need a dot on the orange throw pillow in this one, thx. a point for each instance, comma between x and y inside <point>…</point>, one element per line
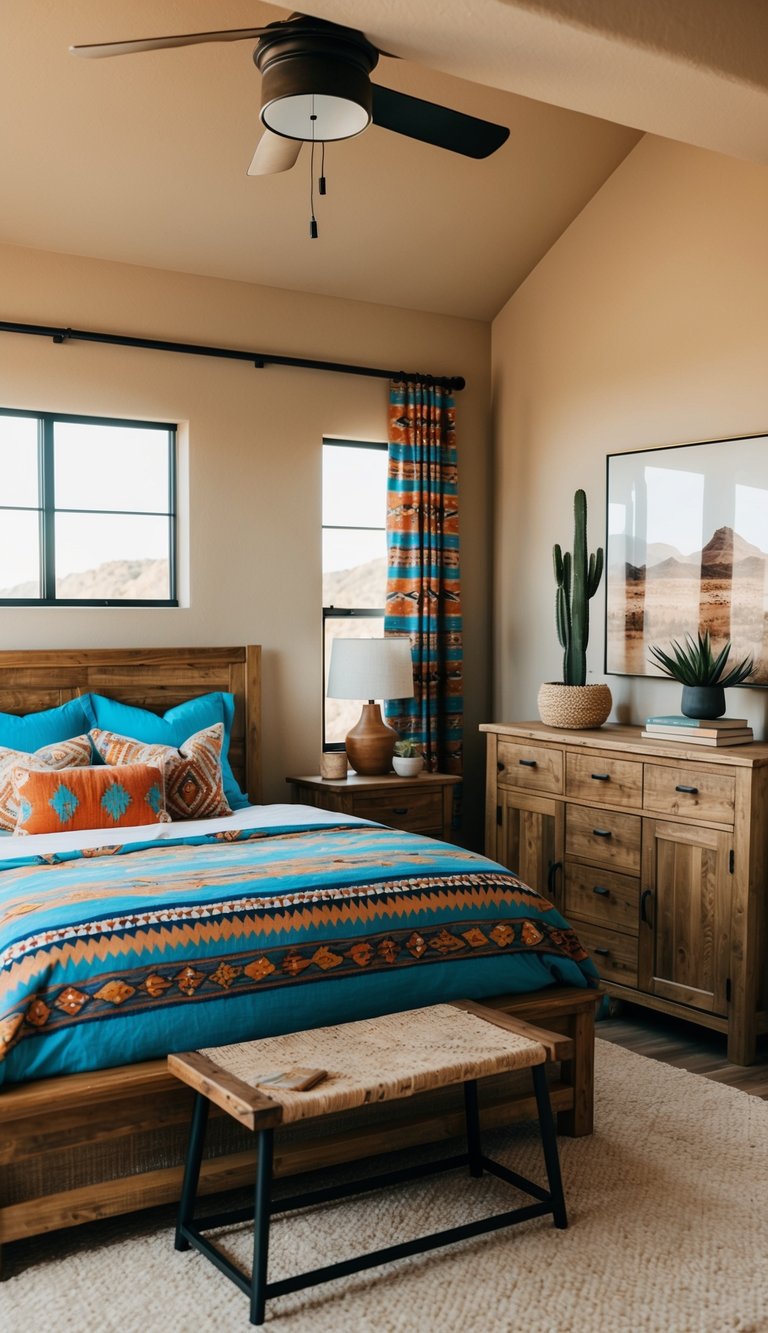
<point>75,753</point>
<point>88,798</point>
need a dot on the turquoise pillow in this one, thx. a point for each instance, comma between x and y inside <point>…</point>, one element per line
<point>47,727</point>
<point>173,728</point>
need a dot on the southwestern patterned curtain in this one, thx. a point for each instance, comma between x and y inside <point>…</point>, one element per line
<point>423,585</point>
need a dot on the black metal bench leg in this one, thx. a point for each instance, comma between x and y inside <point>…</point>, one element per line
<point>262,1203</point>
<point>549,1144</point>
<point>192,1168</point>
<point>474,1150</point>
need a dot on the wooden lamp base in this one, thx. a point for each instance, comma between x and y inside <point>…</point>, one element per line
<point>371,742</point>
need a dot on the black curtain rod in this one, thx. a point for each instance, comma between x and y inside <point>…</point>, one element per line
<point>257,359</point>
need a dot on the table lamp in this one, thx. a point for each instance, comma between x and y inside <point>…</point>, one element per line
<point>370,669</point>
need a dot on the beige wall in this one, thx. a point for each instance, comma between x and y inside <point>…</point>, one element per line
<point>645,325</point>
<point>253,440</point>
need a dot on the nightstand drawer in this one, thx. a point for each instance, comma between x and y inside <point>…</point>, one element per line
<point>603,837</point>
<point>532,767</point>
<point>601,896</point>
<point>614,955</point>
<point>415,811</point>
<point>616,781</point>
<point>694,792</point>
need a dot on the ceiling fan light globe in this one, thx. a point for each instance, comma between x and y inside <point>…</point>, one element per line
<point>334,117</point>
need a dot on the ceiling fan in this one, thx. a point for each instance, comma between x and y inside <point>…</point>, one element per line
<point>316,87</point>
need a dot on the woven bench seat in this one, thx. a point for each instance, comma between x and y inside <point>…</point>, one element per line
<point>371,1060</point>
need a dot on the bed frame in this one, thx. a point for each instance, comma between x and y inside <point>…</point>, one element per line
<point>85,1146</point>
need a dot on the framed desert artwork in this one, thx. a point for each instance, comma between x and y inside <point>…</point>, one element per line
<point>687,550</point>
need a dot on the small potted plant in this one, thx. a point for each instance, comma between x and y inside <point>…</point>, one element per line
<point>574,703</point>
<point>702,674</point>
<point>408,759</point>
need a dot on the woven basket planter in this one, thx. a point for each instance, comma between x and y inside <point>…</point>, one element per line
<point>576,706</point>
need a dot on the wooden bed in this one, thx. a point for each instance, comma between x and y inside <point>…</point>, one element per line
<point>84,1146</point>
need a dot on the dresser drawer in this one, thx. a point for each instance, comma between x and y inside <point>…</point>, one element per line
<point>533,767</point>
<point>604,837</point>
<point>616,781</point>
<point>614,955</point>
<point>601,896</point>
<point>697,792</point>
<point>416,811</point>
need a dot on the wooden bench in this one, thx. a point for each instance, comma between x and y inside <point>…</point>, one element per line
<point>373,1060</point>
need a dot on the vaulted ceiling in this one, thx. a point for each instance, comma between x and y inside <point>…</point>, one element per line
<point>143,158</point>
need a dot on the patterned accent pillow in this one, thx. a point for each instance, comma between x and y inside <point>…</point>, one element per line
<point>88,798</point>
<point>75,753</point>
<point>193,778</point>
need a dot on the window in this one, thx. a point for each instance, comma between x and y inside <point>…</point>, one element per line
<point>87,511</point>
<point>354,561</point>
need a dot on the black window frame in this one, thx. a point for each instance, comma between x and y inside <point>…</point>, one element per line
<point>46,507</point>
<point>348,613</point>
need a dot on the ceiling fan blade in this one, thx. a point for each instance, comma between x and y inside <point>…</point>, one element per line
<point>274,153</point>
<point>438,125</point>
<point>99,49</point>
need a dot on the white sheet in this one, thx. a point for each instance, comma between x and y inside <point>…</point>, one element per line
<point>253,816</point>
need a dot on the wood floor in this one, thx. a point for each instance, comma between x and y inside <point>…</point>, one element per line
<point>684,1045</point>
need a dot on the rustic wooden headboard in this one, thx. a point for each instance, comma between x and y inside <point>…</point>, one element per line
<point>154,678</point>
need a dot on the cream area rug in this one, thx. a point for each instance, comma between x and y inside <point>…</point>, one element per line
<point>668,1212</point>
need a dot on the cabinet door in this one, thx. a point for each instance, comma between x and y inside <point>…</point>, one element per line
<point>685,914</point>
<point>529,840</point>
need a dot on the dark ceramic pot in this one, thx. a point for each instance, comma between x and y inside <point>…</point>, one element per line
<point>705,701</point>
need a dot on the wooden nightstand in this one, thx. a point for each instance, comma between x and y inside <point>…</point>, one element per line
<point>417,805</point>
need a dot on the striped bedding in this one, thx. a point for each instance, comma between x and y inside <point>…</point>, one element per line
<point>114,954</point>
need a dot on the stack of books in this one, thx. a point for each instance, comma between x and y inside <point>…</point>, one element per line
<point>699,731</point>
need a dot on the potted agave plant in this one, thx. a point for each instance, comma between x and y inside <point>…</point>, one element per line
<point>577,576</point>
<point>702,675</point>
<point>408,759</point>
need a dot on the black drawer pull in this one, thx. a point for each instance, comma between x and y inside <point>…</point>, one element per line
<point>527,763</point>
<point>645,897</point>
<point>690,791</point>
<point>601,777</point>
<point>400,810</point>
<point>601,889</point>
<point>602,833</point>
<point>603,952</point>
<point>554,868</point>
<point>500,765</point>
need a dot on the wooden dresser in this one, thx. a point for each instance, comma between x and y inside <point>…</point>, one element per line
<point>656,852</point>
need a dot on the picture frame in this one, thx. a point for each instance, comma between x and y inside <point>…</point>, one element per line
<point>687,551</point>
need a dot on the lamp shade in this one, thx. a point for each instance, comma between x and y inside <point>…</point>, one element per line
<point>370,669</point>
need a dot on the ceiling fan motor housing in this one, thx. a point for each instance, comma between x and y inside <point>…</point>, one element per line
<point>316,82</point>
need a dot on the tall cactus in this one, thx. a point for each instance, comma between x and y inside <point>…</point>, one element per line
<point>577,580</point>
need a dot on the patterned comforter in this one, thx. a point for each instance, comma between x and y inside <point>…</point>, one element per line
<point>126,953</point>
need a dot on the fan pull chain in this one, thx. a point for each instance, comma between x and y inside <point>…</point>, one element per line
<point>321,182</point>
<point>312,218</point>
